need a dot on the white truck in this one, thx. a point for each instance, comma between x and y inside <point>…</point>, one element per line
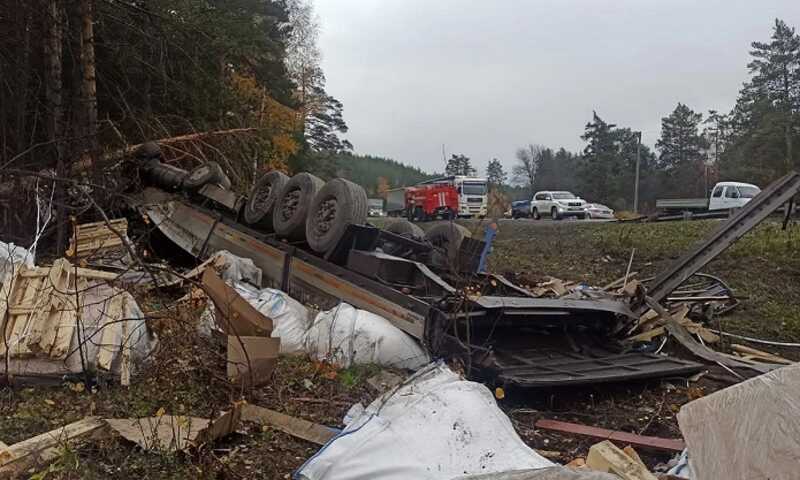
<point>557,205</point>
<point>725,196</point>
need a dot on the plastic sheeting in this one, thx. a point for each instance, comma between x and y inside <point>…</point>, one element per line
<point>748,431</point>
<point>346,336</point>
<point>433,426</point>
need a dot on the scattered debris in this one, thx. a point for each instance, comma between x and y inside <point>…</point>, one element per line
<point>162,433</point>
<point>297,427</point>
<point>749,430</point>
<point>176,433</point>
<point>606,457</point>
<point>645,442</point>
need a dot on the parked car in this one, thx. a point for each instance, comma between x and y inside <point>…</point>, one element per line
<point>557,205</point>
<point>598,210</point>
<point>521,209</point>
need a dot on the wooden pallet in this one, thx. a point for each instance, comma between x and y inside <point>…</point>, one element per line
<point>93,239</point>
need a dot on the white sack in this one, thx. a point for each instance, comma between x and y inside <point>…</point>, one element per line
<point>12,257</point>
<point>348,336</point>
<point>747,431</point>
<point>433,426</point>
<point>290,319</point>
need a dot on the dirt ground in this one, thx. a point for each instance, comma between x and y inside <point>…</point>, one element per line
<point>186,374</point>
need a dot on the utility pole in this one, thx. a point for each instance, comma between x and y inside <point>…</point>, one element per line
<point>636,184</point>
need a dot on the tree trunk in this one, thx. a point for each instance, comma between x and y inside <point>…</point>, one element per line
<point>789,146</point>
<point>53,92</point>
<point>88,84</point>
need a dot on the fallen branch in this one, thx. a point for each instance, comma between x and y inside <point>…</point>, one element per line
<point>86,163</point>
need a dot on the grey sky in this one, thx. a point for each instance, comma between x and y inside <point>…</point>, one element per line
<point>486,77</point>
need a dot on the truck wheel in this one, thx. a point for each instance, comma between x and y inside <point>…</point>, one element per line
<point>536,215</point>
<point>405,228</point>
<point>554,214</point>
<point>337,204</point>
<point>291,206</point>
<point>448,236</point>
<point>258,210</point>
<point>209,172</point>
<point>168,177</point>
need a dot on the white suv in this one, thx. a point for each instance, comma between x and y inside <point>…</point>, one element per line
<point>557,205</point>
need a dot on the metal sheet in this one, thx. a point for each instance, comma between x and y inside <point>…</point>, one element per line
<point>559,369</point>
<point>558,306</point>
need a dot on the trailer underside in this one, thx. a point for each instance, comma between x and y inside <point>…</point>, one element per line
<point>501,332</point>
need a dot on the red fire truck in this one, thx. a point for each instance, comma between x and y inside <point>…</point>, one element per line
<point>424,202</point>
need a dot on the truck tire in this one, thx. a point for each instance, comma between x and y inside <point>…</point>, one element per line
<point>260,203</point>
<point>536,215</point>
<point>554,214</point>
<point>291,207</point>
<point>338,204</point>
<point>209,172</point>
<point>448,236</point>
<point>405,228</point>
<point>167,176</point>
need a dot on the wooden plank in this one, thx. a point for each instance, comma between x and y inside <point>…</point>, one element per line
<point>112,331</point>
<point>640,441</point>
<point>606,457</point>
<point>296,427</point>
<point>760,355</point>
<point>125,366</point>
<point>684,338</point>
<point>44,448</point>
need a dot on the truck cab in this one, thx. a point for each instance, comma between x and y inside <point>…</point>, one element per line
<point>557,205</point>
<point>728,195</point>
<point>472,194</point>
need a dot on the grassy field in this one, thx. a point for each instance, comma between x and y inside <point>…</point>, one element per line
<point>763,267</point>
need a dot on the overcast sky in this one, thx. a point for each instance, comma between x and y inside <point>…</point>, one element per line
<point>486,77</point>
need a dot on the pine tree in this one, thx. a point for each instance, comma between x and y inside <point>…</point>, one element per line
<point>602,162</point>
<point>495,175</point>
<point>682,150</point>
<point>776,76</point>
<point>459,165</point>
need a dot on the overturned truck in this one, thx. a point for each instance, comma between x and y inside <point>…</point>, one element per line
<point>311,239</point>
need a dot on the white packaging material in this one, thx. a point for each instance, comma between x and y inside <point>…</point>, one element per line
<point>12,257</point>
<point>346,336</point>
<point>290,319</point>
<point>433,426</point>
<point>747,431</point>
<point>682,469</point>
<point>236,269</point>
